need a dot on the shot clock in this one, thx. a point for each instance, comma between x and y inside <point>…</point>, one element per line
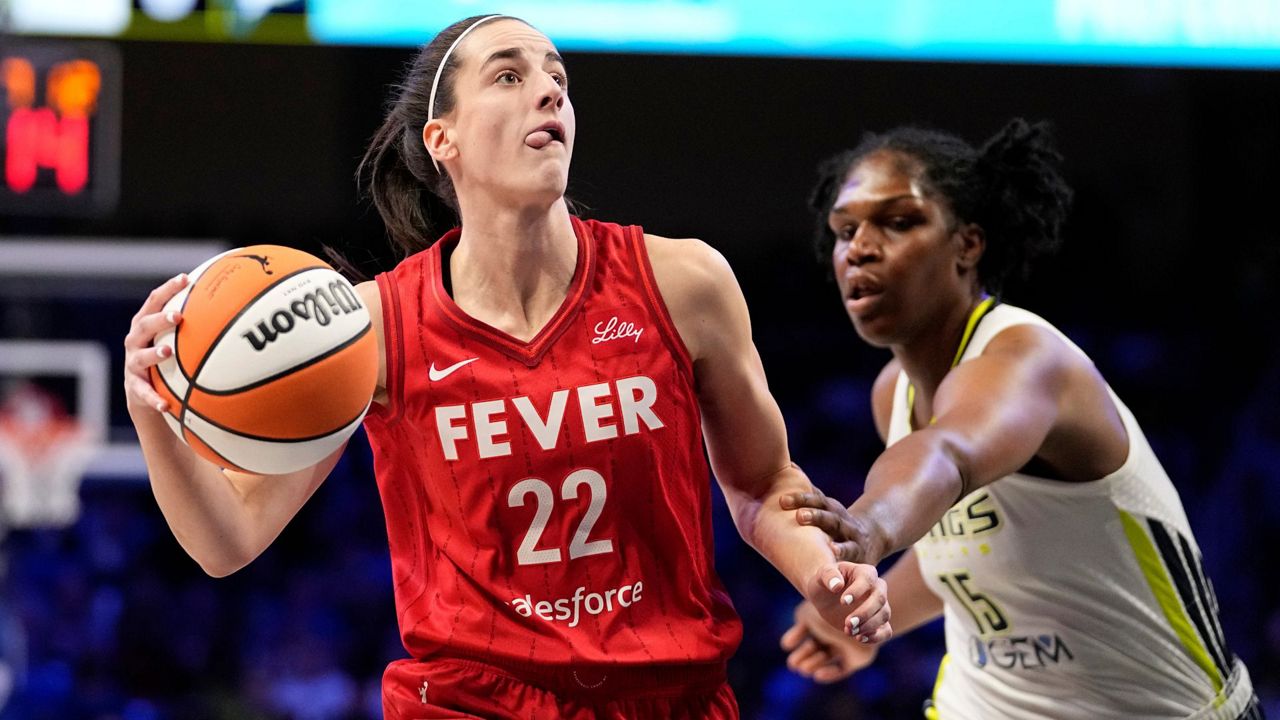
<point>60,114</point>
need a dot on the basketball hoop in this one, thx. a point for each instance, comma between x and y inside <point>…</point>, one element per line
<point>43,454</point>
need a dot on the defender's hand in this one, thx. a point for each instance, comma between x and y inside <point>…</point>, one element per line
<point>831,517</point>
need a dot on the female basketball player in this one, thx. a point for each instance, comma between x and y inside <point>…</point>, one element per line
<point>1044,529</point>
<point>538,424</point>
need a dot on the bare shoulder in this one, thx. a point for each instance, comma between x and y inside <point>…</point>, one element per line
<point>1038,346</point>
<point>372,297</point>
<point>882,397</point>
<point>700,292</point>
<point>1040,362</point>
<point>686,266</point>
<point>368,291</point>
<point>1088,438</point>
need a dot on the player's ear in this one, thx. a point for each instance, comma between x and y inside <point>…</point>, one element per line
<point>970,243</point>
<point>437,137</point>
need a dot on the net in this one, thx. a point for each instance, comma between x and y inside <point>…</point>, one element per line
<point>43,455</point>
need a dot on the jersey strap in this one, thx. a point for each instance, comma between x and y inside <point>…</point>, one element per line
<point>975,317</point>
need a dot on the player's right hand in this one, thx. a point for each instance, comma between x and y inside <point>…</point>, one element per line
<point>140,350</point>
<point>820,652</point>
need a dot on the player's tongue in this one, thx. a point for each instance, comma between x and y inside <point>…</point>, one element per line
<point>538,139</point>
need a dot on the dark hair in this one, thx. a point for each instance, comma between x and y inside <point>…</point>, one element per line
<point>1011,187</point>
<point>396,167</point>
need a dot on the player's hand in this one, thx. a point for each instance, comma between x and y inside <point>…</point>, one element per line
<point>854,599</point>
<point>820,652</point>
<point>140,350</point>
<point>831,517</point>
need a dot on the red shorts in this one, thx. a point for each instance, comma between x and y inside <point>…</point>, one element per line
<point>457,688</point>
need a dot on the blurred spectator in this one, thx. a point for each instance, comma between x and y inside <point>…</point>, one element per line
<point>120,624</point>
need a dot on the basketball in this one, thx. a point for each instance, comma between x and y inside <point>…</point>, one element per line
<point>274,362</point>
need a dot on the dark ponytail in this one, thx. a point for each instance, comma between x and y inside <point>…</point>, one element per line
<point>1012,188</point>
<point>417,203</point>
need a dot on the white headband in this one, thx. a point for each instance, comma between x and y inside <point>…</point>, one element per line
<point>435,82</point>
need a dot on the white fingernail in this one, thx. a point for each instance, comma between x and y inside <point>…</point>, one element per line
<point>833,583</point>
<point>171,317</point>
<point>853,625</point>
<point>847,600</point>
<point>161,406</point>
<point>864,639</point>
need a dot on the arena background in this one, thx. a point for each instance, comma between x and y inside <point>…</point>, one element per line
<point>1168,279</point>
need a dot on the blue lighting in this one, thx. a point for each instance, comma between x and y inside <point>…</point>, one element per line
<point>1215,33</point>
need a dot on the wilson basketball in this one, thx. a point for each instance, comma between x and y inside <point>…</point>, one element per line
<point>274,362</point>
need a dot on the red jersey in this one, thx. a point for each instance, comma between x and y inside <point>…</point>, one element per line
<point>548,501</point>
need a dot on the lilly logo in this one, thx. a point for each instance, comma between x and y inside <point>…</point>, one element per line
<point>614,329</point>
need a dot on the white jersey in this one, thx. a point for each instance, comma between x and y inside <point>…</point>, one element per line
<point>1074,600</point>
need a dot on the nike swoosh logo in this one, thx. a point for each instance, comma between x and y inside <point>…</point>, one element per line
<point>438,375</point>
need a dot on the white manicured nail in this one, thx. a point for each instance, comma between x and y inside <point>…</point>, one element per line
<point>171,317</point>
<point>847,600</point>
<point>853,625</point>
<point>834,583</point>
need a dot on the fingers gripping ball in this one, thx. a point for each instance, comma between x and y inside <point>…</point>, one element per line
<point>274,362</point>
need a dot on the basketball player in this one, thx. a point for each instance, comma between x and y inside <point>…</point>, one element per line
<point>1043,528</point>
<point>538,423</point>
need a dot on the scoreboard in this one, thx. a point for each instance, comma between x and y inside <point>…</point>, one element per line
<point>61,128</point>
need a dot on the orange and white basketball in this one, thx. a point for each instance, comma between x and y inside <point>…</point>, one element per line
<point>274,362</point>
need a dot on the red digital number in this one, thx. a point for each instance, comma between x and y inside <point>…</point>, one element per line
<point>53,136</point>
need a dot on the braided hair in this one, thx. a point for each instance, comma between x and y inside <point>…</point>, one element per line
<point>1012,187</point>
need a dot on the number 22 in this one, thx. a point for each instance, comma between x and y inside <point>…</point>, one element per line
<point>579,546</point>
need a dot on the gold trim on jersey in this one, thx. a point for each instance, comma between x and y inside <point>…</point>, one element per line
<point>975,317</point>
<point>931,710</point>
<point>1157,575</point>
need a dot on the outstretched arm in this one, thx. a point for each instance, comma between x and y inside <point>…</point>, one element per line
<point>223,519</point>
<point>1020,398</point>
<point>746,438</point>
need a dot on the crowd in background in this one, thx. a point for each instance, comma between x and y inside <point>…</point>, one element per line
<point>109,619</point>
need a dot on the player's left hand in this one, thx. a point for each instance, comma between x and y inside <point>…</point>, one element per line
<point>820,652</point>
<point>853,598</point>
<point>831,517</point>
